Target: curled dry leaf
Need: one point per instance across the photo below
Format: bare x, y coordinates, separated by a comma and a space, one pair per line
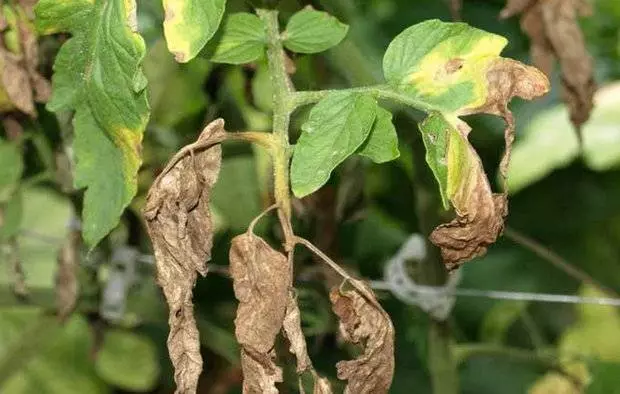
364, 322
262, 283
295, 336
554, 31
66, 275
480, 213
179, 224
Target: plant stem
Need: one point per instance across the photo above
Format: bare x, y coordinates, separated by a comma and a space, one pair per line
282, 95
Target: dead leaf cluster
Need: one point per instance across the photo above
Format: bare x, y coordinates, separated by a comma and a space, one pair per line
555, 35
179, 224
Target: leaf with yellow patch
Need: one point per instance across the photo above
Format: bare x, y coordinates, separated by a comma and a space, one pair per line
450, 70
190, 24
98, 75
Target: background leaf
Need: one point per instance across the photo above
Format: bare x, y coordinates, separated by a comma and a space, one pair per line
127, 360
11, 168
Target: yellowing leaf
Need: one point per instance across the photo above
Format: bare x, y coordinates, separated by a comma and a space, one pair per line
190, 24
450, 70
442, 64
97, 74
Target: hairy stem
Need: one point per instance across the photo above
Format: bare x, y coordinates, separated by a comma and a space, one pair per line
282, 93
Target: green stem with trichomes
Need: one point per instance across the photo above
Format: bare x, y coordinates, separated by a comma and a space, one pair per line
282, 94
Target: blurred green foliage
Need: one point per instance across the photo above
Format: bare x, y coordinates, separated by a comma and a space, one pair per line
360, 218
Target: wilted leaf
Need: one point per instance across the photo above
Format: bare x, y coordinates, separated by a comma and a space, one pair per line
553, 28
243, 39
364, 322
179, 224
262, 283
336, 128
452, 69
292, 330
22, 84
189, 24
97, 74
311, 31
66, 274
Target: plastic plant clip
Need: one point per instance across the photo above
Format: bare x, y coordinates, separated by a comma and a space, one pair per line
436, 301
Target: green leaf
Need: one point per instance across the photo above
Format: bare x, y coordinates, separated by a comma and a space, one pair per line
382, 143
262, 90
56, 358
46, 213
243, 40
311, 31
549, 141
190, 24
11, 168
499, 319
175, 90
11, 213
236, 194
422, 61
128, 361
98, 75
435, 135
336, 128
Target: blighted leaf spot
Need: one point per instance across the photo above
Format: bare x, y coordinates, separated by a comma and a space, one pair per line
179, 224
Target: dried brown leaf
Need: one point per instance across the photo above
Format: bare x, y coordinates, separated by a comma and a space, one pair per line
293, 332
41, 86
262, 282
480, 212
15, 84
66, 275
553, 28
364, 322
19, 71
179, 224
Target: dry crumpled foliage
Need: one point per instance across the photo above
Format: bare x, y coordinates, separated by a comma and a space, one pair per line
66, 275
364, 322
292, 329
262, 283
554, 31
179, 224
480, 213
20, 79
